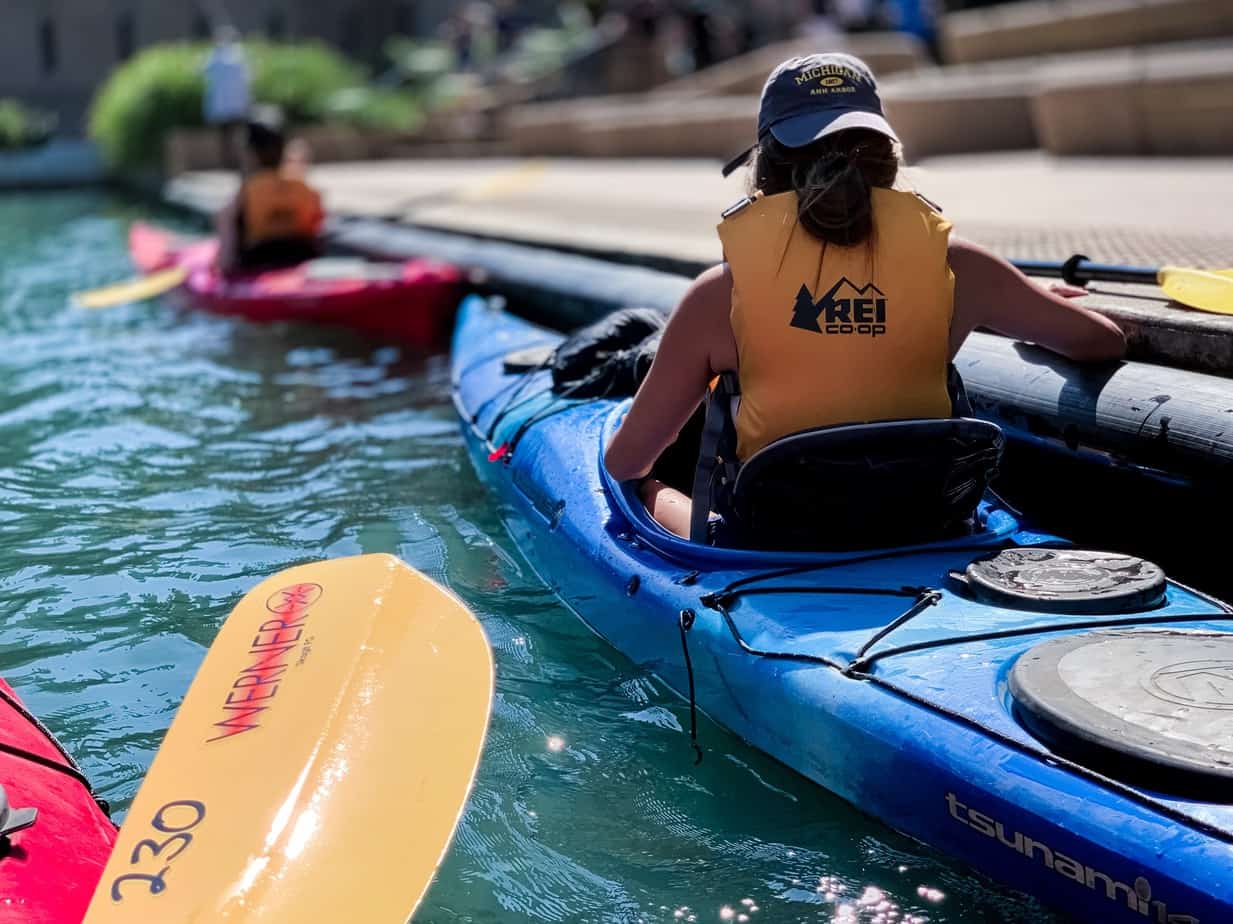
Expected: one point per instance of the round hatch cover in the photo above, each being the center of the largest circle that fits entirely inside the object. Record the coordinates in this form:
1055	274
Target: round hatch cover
1067	581
1152	705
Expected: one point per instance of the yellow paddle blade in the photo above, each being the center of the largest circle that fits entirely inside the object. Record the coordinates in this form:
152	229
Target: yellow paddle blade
320	761
1207	290
135	290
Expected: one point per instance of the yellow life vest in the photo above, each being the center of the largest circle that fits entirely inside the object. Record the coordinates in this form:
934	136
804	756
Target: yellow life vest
830	335
279	208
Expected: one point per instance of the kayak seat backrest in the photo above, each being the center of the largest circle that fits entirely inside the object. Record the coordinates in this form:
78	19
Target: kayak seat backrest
863	485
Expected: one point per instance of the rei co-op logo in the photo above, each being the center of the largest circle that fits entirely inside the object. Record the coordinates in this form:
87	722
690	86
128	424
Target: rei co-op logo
845	309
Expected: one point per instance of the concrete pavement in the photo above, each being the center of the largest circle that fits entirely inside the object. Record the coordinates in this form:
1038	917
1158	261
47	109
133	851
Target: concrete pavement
663	213
1025	204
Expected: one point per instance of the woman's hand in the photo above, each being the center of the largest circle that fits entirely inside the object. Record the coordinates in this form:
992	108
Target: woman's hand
1066	290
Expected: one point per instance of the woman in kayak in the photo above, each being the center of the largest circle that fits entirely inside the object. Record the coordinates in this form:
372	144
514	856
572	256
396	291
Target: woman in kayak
275	219
840	299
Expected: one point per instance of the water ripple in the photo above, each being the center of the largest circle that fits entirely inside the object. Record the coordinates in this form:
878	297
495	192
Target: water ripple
156	463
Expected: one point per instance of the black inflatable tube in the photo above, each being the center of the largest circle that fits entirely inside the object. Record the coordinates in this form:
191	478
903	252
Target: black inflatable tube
1169	422
558	289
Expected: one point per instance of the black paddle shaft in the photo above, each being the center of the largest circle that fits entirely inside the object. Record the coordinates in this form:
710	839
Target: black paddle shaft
1079	270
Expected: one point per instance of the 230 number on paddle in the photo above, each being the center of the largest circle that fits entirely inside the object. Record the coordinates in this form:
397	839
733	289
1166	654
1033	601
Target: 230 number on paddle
176	820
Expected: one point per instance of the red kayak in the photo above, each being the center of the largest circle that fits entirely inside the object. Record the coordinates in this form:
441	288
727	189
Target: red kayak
48	869
412	302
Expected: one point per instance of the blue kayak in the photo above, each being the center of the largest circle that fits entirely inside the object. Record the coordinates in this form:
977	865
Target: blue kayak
1083	757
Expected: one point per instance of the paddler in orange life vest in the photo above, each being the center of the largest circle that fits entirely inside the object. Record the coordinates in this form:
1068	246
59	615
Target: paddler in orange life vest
275	219
841	299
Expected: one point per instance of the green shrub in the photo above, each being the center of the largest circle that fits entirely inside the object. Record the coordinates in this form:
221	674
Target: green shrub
161	89
428	68
156	91
300	79
540	52
23	127
420	62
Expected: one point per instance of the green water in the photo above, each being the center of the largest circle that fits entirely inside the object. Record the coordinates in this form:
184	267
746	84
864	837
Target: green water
155	464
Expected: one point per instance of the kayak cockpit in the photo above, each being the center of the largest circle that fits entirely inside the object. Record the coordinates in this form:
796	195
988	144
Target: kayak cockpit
995	525
998	594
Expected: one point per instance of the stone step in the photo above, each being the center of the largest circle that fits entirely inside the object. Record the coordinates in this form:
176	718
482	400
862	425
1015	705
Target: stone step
1143	101
1167	99
1038	27
885	52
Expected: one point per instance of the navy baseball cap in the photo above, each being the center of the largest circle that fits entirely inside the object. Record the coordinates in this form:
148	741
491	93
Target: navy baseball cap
808	98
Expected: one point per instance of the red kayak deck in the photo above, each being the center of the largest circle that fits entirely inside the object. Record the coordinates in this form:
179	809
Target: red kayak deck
412	301
49	870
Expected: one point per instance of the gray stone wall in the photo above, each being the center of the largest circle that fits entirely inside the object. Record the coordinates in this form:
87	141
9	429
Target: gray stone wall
56	53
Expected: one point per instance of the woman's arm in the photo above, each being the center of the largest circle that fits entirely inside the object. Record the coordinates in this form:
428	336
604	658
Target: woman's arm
991	293
697	343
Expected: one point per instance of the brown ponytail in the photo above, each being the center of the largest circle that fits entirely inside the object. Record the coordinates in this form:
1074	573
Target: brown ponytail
833	179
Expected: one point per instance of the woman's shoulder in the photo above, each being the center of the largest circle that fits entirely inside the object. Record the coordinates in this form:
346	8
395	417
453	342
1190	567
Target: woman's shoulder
706	303
710	291
703	318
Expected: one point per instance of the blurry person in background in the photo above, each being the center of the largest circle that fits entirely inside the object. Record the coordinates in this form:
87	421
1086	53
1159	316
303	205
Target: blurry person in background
227	95
275	219
822	20
509	22
915	17
644	16
855	15
711	30
674	44
656	47
699	16
472	32
770	21
728	38
456	32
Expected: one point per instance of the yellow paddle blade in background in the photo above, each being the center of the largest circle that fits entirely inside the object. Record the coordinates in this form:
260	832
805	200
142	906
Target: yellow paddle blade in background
1207	290
134	290
320	761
